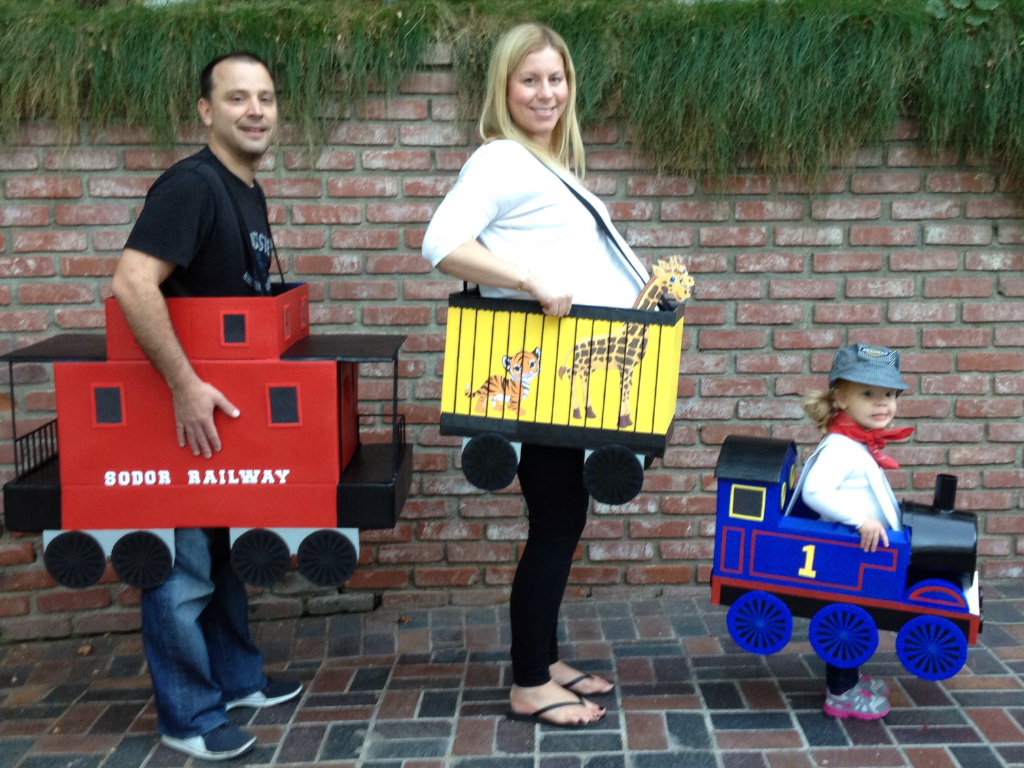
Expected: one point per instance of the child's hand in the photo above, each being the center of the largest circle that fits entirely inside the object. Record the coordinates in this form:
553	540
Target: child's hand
871	532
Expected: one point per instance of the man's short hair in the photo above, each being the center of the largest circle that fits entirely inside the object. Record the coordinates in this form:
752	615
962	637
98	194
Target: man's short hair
206	76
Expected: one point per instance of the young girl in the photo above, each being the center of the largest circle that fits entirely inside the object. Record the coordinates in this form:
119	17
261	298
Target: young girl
843	482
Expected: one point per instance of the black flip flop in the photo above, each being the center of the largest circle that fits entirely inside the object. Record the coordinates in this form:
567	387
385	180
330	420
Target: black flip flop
535	717
568	686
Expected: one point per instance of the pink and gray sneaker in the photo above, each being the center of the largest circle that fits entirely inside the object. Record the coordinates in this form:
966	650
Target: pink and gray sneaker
877	687
859	703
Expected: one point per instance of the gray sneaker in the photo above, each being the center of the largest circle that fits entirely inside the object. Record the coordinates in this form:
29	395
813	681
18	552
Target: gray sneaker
273	693
858	702
222	743
877	687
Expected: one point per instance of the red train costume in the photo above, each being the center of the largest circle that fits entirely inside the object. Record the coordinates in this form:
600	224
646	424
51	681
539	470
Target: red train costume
292	477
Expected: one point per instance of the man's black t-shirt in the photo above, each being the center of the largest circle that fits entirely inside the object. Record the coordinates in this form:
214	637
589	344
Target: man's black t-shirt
189	219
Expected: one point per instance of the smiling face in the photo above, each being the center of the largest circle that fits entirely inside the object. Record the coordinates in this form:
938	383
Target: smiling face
537	95
241	115
869	406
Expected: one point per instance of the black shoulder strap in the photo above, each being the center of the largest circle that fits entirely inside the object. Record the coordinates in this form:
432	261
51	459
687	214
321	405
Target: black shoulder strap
266	218
214	178
598	218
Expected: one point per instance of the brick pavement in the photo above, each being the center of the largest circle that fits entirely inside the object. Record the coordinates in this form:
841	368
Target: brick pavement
427	689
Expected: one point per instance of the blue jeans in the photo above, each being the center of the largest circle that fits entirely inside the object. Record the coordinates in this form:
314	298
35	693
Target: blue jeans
195	628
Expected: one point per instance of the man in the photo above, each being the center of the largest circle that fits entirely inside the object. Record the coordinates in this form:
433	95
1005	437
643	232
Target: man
203	232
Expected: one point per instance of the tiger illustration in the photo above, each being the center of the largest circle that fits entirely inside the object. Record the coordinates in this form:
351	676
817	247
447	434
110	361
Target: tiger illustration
509	389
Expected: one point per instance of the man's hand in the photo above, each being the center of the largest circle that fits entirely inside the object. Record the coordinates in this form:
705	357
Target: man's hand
194	407
136	284
555	300
871	532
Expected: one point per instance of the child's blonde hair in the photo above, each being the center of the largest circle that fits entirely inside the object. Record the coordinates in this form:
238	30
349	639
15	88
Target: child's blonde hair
821	406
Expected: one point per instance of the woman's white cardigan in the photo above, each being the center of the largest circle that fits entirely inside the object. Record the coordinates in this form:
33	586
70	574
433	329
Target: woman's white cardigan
522	212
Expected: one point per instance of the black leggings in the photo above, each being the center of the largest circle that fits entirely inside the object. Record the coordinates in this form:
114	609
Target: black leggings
556	502
840	680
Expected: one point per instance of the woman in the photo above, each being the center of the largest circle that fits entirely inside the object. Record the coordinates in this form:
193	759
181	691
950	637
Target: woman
516	224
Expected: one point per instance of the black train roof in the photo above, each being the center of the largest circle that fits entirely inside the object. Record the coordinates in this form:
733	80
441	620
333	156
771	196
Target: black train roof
760	459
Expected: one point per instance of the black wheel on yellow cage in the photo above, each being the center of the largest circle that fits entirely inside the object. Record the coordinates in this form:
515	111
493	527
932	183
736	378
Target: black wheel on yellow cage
489	461
613	474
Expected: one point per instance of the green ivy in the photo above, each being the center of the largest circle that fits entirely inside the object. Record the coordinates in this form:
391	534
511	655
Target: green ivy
138	64
973	13
696	85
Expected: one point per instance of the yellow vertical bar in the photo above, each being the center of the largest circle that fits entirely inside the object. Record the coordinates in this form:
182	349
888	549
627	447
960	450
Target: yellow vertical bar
480	362
545	388
604	389
500	347
646	378
668	377
467	360
532	323
513	348
583	330
451	357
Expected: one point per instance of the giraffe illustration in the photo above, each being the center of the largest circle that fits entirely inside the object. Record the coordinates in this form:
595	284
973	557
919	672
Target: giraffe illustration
623	347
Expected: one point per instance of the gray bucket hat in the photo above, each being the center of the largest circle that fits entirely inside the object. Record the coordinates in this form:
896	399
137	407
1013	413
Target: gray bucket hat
867	364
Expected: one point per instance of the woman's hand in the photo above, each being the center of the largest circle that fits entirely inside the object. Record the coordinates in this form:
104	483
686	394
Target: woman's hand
871	532
554	299
475	264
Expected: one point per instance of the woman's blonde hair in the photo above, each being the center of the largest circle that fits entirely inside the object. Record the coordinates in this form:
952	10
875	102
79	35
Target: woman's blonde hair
821	406
496	123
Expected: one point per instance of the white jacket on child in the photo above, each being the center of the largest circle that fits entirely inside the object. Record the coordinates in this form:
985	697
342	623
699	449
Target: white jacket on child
844	484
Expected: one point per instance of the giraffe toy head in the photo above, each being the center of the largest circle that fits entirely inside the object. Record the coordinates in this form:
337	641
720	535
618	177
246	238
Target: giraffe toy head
669	282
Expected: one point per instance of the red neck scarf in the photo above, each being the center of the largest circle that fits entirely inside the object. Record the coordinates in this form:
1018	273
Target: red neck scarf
874	439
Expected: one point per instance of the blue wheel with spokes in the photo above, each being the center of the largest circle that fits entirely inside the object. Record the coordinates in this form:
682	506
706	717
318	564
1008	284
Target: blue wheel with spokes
759	622
931	647
843	635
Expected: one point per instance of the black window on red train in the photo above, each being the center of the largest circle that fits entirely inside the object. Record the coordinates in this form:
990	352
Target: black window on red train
284	404
234	329
107	405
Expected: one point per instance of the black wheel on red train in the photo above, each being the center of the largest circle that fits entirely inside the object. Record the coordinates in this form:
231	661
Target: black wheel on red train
141	559
75	559
260	557
327	558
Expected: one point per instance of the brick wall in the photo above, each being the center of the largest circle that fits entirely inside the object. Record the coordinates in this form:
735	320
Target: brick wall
895	245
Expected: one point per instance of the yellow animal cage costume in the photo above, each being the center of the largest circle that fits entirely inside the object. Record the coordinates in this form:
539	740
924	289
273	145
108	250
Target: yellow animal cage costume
601	379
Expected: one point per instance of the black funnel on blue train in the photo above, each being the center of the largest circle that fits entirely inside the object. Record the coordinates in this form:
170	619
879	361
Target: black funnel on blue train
942	539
